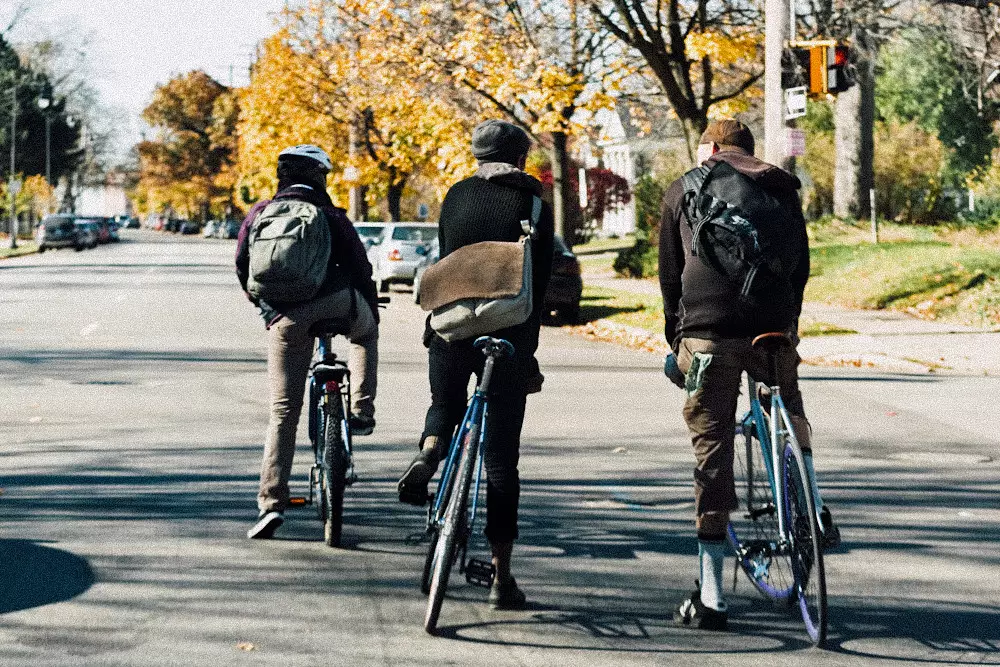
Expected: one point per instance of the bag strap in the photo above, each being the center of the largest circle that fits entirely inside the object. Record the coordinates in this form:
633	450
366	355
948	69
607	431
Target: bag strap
529	227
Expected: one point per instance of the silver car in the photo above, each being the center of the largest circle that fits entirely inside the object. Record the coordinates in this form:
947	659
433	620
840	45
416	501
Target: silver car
400	248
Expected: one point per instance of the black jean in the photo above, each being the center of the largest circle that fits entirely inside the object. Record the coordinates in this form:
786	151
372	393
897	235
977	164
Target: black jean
451	366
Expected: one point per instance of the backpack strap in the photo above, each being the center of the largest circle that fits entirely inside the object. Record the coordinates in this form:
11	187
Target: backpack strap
692	182
530	227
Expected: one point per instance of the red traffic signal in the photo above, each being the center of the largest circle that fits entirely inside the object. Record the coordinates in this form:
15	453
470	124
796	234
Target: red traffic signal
839	76
827	62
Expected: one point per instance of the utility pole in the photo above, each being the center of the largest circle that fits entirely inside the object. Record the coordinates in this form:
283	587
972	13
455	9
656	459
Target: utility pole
779	20
11	185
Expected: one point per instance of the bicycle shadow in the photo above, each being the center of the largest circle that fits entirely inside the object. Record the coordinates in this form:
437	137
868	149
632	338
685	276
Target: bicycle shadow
35	575
912	633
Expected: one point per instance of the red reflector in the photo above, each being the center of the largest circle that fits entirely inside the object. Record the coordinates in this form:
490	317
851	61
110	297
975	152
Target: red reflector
840	55
296	501
332	386
395	255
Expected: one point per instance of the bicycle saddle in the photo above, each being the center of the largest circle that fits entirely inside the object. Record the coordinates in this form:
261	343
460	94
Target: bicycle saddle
330	327
494	347
772	342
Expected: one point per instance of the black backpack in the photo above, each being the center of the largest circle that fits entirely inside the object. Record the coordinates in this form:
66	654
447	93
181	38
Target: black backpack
739	230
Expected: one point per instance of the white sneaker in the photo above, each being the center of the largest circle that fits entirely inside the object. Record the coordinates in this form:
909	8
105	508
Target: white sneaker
267	523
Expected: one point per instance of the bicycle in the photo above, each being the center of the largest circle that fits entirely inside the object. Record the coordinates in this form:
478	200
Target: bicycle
330	430
450	517
778	538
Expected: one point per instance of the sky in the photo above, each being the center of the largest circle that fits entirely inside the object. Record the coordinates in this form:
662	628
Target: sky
133	45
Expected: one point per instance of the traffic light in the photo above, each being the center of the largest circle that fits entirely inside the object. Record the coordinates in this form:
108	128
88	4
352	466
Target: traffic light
838	69
822	66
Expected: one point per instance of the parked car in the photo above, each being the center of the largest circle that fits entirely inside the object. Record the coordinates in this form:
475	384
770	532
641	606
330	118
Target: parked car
127	222
58	231
210	229
188	227
88	232
113	229
369	232
565	286
101	225
431	254
228	229
394	257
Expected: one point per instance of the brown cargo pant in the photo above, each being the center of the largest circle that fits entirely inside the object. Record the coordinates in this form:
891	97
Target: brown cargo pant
714	372
289	355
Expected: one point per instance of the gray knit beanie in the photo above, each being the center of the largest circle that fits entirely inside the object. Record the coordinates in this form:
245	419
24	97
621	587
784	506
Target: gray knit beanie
499	141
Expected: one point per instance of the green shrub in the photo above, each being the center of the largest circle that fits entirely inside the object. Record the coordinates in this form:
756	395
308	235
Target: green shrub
639	261
986	215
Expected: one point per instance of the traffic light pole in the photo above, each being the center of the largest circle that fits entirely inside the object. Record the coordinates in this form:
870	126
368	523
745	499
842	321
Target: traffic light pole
778	20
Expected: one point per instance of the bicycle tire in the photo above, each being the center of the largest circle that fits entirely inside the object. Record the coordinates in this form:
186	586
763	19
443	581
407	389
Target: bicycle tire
753	529
806	546
425	578
452	532
333	474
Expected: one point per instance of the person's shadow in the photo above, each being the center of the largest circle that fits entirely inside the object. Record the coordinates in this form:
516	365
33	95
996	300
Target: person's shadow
32	575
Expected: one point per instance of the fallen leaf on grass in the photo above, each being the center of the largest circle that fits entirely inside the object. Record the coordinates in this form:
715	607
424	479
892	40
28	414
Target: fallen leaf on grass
246	646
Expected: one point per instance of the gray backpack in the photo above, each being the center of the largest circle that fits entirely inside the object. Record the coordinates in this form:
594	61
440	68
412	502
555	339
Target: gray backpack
289	252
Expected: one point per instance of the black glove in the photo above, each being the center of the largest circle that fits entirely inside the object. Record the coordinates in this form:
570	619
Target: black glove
673	371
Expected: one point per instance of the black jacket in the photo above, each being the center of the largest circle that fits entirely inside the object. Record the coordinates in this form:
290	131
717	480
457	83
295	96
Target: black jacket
698	301
490	207
348	265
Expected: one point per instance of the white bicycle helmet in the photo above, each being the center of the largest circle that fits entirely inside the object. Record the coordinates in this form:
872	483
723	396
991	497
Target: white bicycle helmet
309	151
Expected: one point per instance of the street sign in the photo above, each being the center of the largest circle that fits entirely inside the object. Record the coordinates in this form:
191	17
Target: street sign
795	102
15	186
795	142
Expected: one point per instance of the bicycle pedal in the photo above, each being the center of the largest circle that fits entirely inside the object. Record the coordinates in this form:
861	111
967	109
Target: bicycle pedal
298	501
413	497
479	572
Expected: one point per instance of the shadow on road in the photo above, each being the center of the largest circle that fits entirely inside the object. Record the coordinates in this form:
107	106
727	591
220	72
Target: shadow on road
35	575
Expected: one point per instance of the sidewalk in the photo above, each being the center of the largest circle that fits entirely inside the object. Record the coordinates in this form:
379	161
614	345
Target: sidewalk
886	339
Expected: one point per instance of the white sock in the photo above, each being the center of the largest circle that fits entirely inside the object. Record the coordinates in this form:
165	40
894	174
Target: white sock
807	459
712	556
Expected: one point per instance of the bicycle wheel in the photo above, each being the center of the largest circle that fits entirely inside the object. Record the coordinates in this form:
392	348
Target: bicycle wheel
425	579
753	529
333	474
452	532
806	546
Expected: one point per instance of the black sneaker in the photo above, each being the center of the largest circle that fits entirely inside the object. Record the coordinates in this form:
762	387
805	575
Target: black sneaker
692	612
413	486
831	533
267	523
361	425
507	597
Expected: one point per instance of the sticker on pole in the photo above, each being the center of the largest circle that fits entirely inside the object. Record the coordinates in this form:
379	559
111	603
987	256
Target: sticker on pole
795	142
795	102
15	186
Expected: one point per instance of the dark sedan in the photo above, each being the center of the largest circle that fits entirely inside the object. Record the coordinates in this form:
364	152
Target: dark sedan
565	285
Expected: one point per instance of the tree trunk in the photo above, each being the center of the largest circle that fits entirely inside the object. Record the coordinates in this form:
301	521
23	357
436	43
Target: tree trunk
854	144
560	181
395	197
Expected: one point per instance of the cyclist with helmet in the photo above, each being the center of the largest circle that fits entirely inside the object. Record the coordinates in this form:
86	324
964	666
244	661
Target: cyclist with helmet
347	292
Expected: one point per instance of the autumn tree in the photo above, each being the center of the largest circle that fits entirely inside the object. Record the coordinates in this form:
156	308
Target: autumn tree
186	166
703	55
542	65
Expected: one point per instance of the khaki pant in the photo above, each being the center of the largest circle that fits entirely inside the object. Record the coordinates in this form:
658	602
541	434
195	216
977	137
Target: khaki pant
289	355
714	372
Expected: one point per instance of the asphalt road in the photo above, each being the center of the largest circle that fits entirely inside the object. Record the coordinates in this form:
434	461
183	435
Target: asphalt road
132	408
